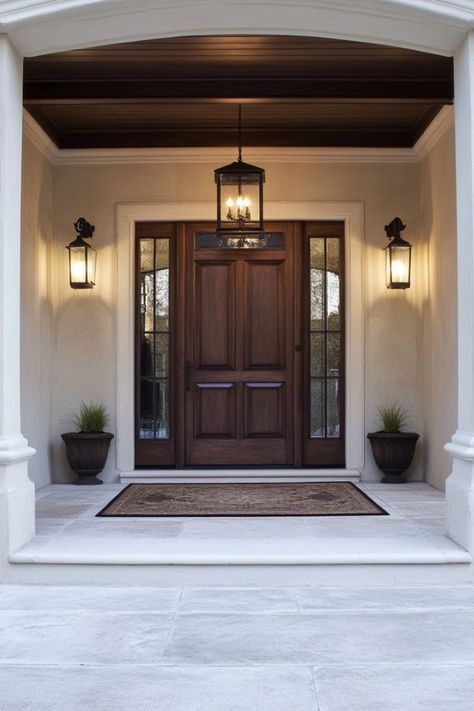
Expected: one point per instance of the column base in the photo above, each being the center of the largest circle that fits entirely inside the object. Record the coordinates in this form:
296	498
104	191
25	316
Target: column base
17	498
460	491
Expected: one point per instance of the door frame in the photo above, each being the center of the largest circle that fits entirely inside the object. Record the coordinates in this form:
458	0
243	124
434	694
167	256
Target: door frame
127	214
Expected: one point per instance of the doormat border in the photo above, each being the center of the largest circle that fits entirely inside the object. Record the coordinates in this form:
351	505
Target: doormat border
102	514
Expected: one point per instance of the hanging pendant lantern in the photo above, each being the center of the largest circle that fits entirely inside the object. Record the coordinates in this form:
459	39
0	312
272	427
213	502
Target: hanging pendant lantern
397	257
82	257
240	202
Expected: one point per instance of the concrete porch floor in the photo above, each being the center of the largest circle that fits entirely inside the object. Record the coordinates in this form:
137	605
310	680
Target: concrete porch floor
236	649
409	545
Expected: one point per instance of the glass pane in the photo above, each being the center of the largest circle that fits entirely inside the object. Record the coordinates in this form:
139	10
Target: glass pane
333	354
146	354
162	285
317	355
162	355
162	409
77	260
332	284
316	249
333	424
146	255
146	301
147	424
317	408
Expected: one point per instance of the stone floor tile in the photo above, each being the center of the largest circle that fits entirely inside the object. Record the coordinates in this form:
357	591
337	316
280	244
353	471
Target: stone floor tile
91	597
117	529
386	598
396	688
424	509
240	527
154	689
330	638
251	600
82	637
49	508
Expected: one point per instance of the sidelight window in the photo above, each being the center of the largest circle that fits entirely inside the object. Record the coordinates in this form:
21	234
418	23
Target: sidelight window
154	338
325	348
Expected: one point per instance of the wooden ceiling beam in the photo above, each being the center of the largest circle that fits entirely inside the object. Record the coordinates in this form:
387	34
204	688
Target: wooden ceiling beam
173	138
265	89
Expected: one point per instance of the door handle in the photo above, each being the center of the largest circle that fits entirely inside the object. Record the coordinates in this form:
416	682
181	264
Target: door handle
189	375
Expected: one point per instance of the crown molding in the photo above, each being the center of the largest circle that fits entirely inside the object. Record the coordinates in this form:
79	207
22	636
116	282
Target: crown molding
157	156
443	121
33	131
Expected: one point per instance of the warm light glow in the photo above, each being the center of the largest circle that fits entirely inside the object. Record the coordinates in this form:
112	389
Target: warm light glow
397	270
78	265
238	210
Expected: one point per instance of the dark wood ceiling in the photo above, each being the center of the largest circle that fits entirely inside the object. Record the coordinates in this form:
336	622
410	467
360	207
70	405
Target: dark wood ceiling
295	91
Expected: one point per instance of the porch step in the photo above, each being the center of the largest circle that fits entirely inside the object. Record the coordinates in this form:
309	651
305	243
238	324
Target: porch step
209	476
406	547
278	561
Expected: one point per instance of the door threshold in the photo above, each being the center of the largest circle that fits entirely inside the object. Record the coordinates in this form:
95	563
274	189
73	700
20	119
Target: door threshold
212	476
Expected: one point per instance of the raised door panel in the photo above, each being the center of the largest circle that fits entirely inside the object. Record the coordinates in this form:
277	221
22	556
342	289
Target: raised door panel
214	410
214	315
264	289
264	410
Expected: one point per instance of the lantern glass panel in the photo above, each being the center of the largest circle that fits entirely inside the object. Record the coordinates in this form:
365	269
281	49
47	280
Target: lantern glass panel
239	201
398	266
91	264
77	264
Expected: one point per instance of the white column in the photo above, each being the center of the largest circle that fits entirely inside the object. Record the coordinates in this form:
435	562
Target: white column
17	517
460	484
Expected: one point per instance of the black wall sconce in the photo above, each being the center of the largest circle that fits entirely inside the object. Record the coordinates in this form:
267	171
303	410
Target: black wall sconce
397	257
82	257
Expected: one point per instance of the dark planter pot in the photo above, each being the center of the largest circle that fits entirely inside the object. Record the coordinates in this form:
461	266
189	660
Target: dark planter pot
393	453
87	454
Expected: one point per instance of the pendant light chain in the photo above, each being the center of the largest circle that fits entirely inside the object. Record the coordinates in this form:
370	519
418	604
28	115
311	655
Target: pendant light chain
240	133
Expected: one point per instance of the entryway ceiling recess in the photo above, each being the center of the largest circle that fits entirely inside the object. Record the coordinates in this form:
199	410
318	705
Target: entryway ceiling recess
183	92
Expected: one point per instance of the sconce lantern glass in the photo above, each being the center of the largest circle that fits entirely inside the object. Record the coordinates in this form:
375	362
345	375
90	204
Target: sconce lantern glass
82	257
397	257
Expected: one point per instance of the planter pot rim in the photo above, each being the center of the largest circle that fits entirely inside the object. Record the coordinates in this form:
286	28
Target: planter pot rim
392	435
87	435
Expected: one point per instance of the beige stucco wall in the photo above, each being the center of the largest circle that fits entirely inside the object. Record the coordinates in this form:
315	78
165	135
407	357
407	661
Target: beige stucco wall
68	337
85	321
37	317
440	315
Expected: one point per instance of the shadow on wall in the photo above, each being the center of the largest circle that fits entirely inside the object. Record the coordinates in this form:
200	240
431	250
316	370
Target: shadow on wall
391	375
84	370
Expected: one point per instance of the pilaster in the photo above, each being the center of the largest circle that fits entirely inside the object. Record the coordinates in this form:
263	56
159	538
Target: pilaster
17	522
460	484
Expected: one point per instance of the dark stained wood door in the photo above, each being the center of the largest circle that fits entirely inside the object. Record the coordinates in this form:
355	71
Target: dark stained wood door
239	389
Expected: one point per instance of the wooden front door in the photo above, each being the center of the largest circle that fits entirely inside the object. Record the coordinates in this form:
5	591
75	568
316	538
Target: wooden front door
239	350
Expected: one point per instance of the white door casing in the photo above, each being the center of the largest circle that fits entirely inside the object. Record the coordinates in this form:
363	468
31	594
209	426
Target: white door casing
351	213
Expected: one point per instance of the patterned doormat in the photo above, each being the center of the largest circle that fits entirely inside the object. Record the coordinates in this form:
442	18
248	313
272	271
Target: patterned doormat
300	499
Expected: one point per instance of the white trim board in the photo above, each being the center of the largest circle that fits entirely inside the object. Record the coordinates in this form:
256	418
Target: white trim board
142	156
237	476
352	213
